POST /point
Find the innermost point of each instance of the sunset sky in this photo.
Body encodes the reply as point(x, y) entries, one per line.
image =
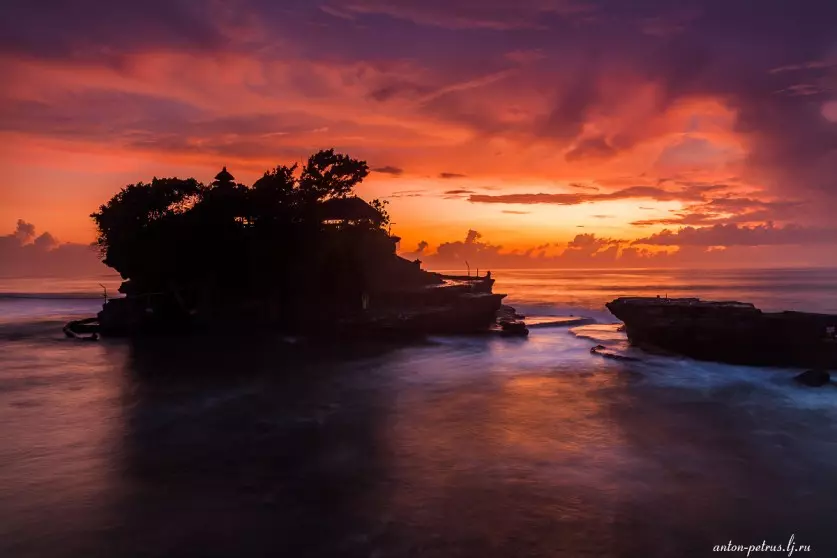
point(566, 132)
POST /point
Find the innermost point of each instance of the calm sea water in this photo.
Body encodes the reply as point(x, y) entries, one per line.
point(464, 446)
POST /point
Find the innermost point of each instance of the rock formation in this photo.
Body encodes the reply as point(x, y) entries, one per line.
point(732, 332)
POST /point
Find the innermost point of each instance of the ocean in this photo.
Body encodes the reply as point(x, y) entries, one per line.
point(463, 446)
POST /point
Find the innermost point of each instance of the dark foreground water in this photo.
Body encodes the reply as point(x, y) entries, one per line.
point(471, 447)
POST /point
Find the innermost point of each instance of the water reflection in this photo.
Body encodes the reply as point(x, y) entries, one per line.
point(463, 447)
point(61, 428)
point(275, 449)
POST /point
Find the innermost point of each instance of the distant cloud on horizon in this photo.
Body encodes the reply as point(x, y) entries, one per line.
point(394, 171)
point(689, 246)
point(23, 253)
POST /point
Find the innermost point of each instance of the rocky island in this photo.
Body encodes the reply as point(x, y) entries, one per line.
point(731, 332)
point(297, 251)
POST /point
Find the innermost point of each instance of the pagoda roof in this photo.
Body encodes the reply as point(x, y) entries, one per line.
point(224, 176)
point(349, 209)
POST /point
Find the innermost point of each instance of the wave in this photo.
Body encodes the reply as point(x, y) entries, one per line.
point(42, 330)
point(556, 321)
point(683, 287)
point(545, 311)
point(605, 334)
point(52, 296)
point(772, 287)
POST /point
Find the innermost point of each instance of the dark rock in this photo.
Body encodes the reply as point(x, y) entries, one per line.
point(394, 314)
point(604, 352)
point(514, 328)
point(732, 332)
point(559, 321)
point(813, 378)
point(510, 322)
point(84, 330)
point(506, 312)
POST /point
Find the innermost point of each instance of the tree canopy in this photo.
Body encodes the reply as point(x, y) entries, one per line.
point(281, 231)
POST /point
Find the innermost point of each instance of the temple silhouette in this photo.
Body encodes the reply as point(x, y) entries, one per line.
point(297, 251)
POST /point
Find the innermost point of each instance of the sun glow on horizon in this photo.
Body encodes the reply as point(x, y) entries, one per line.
point(531, 146)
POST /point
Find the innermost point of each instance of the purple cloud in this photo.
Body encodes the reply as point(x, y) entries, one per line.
point(24, 253)
point(734, 235)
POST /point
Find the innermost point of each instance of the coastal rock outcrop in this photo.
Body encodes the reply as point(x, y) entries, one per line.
point(297, 251)
point(511, 323)
point(731, 332)
point(813, 378)
point(419, 310)
point(604, 352)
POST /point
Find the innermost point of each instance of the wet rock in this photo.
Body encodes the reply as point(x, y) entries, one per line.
point(514, 328)
point(603, 351)
point(813, 378)
point(83, 330)
point(559, 321)
point(728, 331)
point(510, 322)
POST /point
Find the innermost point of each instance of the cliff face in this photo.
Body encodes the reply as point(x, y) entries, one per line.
point(731, 332)
point(393, 296)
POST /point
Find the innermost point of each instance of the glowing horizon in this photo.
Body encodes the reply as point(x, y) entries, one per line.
point(546, 129)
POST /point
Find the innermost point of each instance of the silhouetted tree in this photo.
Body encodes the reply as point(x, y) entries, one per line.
point(329, 174)
point(381, 207)
point(133, 225)
point(173, 234)
point(274, 195)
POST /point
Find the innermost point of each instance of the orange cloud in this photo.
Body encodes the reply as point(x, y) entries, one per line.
point(463, 117)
